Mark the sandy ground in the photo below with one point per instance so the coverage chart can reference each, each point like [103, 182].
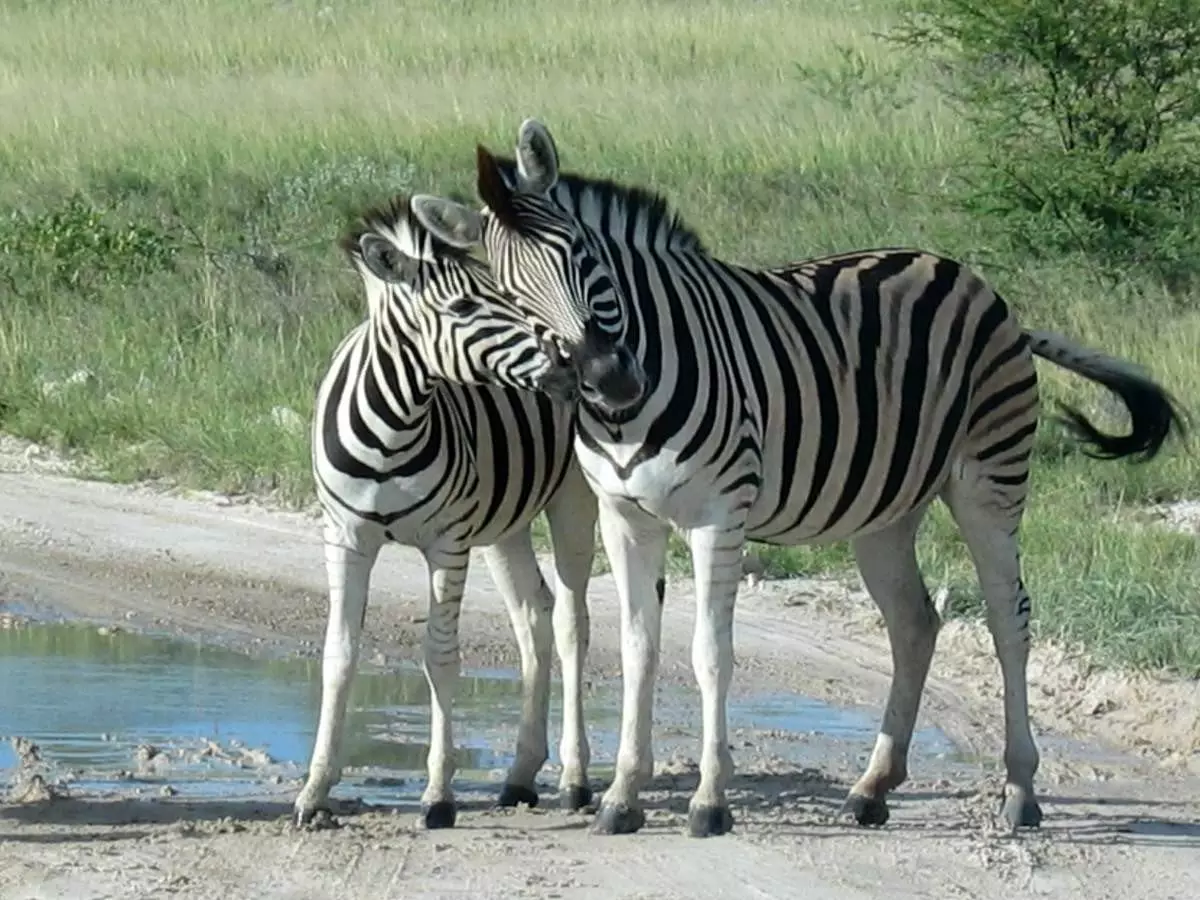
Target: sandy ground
[1120, 781]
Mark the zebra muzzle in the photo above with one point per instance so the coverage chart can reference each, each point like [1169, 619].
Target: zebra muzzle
[612, 379]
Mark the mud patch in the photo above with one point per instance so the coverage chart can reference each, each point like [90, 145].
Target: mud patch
[109, 712]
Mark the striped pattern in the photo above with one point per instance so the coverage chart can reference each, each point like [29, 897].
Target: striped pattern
[828, 399]
[428, 433]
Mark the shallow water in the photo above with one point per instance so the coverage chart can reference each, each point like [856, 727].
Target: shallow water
[224, 723]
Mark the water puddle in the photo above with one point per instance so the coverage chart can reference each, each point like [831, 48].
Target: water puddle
[120, 712]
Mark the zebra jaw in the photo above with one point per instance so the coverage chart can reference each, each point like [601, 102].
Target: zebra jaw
[559, 379]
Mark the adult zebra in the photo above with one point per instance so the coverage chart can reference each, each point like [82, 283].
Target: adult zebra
[428, 432]
[822, 400]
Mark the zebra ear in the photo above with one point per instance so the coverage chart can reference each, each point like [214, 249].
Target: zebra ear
[537, 158]
[493, 190]
[382, 258]
[451, 223]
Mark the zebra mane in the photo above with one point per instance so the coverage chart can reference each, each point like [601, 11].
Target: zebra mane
[390, 217]
[594, 200]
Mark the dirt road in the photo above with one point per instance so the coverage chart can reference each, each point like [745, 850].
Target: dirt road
[1120, 780]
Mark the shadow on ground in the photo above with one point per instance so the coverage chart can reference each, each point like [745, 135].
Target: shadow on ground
[803, 804]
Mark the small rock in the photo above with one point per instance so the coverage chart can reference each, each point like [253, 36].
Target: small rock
[1100, 707]
[287, 418]
[677, 765]
[251, 759]
[28, 753]
[50, 388]
[81, 376]
[35, 789]
[941, 599]
[227, 825]
[754, 570]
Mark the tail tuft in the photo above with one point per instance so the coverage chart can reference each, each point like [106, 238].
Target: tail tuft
[1154, 414]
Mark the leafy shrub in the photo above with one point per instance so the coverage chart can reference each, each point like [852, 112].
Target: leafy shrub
[1088, 115]
[77, 245]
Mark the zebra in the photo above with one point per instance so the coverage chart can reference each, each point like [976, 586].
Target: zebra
[441, 425]
[823, 400]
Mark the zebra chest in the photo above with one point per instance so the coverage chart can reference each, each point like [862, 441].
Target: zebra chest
[660, 484]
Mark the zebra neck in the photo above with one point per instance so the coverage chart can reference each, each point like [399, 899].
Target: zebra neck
[396, 386]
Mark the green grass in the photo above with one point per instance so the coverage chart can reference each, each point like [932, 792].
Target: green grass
[242, 136]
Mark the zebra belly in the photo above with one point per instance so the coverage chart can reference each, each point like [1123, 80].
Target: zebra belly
[843, 508]
[421, 512]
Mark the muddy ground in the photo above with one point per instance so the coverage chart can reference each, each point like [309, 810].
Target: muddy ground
[1120, 780]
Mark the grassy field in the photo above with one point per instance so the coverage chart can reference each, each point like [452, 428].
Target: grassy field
[177, 173]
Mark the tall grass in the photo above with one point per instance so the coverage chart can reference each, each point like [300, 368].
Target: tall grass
[244, 135]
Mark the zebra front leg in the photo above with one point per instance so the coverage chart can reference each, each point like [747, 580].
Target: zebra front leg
[515, 571]
[717, 561]
[447, 577]
[636, 545]
[572, 517]
[887, 561]
[348, 571]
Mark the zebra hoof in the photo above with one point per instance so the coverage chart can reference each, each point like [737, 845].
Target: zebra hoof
[868, 810]
[613, 819]
[709, 821]
[1021, 812]
[515, 795]
[576, 797]
[319, 819]
[442, 814]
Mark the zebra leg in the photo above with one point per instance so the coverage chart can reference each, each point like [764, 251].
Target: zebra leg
[991, 537]
[348, 570]
[515, 571]
[447, 578]
[717, 560]
[636, 545]
[887, 561]
[572, 517]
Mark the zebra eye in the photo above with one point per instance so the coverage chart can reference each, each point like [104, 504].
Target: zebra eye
[463, 307]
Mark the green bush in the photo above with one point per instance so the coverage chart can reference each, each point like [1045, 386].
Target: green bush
[78, 245]
[1088, 116]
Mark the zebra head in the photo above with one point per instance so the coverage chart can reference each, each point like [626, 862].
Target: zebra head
[428, 295]
[554, 268]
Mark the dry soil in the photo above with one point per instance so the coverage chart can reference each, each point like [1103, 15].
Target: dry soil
[1120, 781]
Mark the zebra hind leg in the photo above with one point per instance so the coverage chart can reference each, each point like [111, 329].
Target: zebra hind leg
[887, 561]
[991, 536]
[447, 578]
[572, 518]
[515, 572]
[348, 570]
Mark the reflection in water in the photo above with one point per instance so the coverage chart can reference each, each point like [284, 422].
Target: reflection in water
[90, 698]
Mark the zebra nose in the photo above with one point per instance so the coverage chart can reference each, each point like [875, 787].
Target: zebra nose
[613, 378]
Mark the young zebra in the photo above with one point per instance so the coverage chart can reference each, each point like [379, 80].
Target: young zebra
[823, 400]
[411, 444]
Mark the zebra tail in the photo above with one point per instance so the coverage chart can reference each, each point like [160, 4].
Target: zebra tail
[1153, 413]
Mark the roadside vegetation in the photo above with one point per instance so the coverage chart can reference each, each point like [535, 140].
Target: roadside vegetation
[173, 177]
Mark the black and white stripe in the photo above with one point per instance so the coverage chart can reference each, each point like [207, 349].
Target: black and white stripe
[824, 400]
[429, 432]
